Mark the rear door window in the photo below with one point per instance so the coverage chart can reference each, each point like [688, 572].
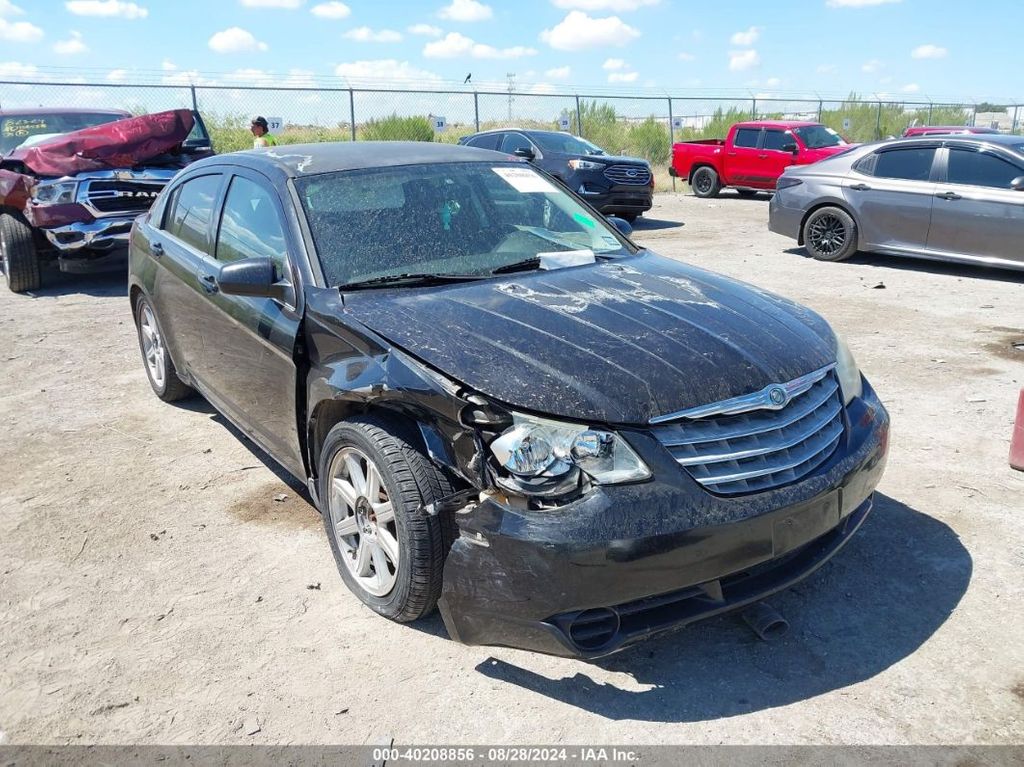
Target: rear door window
[967, 166]
[746, 138]
[911, 164]
[191, 211]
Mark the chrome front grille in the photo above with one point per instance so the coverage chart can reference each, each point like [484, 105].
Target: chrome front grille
[628, 174]
[128, 196]
[754, 443]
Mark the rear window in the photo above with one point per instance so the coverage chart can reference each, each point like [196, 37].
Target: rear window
[747, 137]
[14, 129]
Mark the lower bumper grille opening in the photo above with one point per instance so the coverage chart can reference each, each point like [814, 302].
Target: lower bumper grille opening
[593, 629]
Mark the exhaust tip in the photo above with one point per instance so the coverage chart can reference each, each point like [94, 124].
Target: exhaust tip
[765, 621]
[593, 629]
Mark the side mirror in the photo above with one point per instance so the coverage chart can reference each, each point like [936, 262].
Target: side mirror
[621, 224]
[791, 148]
[525, 152]
[253, 277]
[1017, 184]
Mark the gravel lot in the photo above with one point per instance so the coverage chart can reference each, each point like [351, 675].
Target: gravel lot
[153, 590]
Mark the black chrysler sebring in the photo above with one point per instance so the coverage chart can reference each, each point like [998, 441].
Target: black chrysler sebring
[501, 405]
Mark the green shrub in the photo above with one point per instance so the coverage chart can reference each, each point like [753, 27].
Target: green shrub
[395, 128]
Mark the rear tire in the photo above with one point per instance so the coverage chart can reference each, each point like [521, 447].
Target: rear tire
[705, 182]
[830, 234]
[160, 370]
[389, 551]
[18, 254]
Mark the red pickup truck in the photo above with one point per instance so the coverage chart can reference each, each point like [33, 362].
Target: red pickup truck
[753, 155]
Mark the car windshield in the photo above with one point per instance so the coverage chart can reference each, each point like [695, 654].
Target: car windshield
[452, 219]
[565, 143]
[14, 129]
[819, 137]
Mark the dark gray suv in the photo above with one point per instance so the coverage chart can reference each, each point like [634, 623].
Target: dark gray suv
[620, 186]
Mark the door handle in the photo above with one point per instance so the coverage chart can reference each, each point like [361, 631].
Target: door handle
[156, 249]
[762, 157]
[949, 196]
[860, 187]
[731, 154]
[209, 282]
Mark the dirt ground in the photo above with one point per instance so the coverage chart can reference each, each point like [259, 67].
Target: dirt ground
[153, 589]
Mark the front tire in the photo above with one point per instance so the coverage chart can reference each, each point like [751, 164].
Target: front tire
[18, 254]
[160, 370]
[375, 481]
[705, 182]
[830, 234]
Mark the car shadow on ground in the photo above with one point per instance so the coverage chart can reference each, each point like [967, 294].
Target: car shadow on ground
[882, 597]
[972, 271]
[110, 283]
[644, 224]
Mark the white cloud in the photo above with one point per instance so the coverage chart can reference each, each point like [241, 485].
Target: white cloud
[71, 46]
[578, 31]
[559, 73]
[684, 56]
[19, 32]
[235, 40]
[385, 70]
[742, 60]
[453, 45]
[168, 65]
[425, 30]
[17, 69]
[857, 3]
[331, 10]
[7, 8]
[911, 88]
[117, 75]
[772, 82]
[613, 64]
[623, 77]
[827, 69]
[189, 77]
[367, 35]
[929, 51]
[747, 38]
[466, 10]
[107, 9]
[871, 66]
[617, 6]
[288, 4]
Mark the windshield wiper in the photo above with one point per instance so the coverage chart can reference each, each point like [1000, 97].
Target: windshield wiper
[518, 266]
[410, 278]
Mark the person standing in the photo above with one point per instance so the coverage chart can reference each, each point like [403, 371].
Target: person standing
[261, 133]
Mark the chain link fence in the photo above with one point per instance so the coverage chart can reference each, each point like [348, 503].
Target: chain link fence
[644, 126]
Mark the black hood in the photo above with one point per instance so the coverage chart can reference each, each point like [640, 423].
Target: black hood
[615, 342]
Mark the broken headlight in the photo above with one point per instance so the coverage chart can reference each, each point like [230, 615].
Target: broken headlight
[541, 454]
[848, 372]
[55, 192]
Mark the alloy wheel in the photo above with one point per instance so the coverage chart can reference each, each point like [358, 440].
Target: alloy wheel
[827, 234]
[702, 181]
[363, 519]
[152, 346]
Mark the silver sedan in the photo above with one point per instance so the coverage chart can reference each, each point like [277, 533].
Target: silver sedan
[948, 198]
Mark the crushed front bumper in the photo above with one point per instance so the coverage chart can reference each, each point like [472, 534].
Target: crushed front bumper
[99, 235]
[629, 561]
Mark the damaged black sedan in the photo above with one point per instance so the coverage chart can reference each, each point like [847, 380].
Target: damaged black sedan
[500, 404]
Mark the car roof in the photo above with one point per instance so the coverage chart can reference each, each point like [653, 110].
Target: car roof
[1002, 139]
[297, 160]
[776, 124]
[62, 111]
[965, 128]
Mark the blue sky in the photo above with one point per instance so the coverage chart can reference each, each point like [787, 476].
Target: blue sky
[913, 49]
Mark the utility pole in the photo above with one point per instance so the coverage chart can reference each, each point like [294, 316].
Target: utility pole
[511, 76]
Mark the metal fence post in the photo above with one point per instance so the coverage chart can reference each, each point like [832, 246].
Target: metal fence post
[671, 138]
[476, 110]
[930, 107]
[974, 115]
[1013, 128]
[352, 112]
[753, 109]
[195, 102]
[878, 122]
[821, 107]
[579, 117]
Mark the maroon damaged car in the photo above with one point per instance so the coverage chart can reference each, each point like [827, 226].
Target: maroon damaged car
[73, 181]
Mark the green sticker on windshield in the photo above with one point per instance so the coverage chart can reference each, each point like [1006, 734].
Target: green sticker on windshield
[587, 221]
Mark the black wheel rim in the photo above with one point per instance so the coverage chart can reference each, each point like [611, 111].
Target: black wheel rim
[702, 182]
[827, 234]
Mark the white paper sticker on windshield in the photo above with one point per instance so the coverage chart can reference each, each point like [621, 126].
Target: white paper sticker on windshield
[525, 180]
[560, 259]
